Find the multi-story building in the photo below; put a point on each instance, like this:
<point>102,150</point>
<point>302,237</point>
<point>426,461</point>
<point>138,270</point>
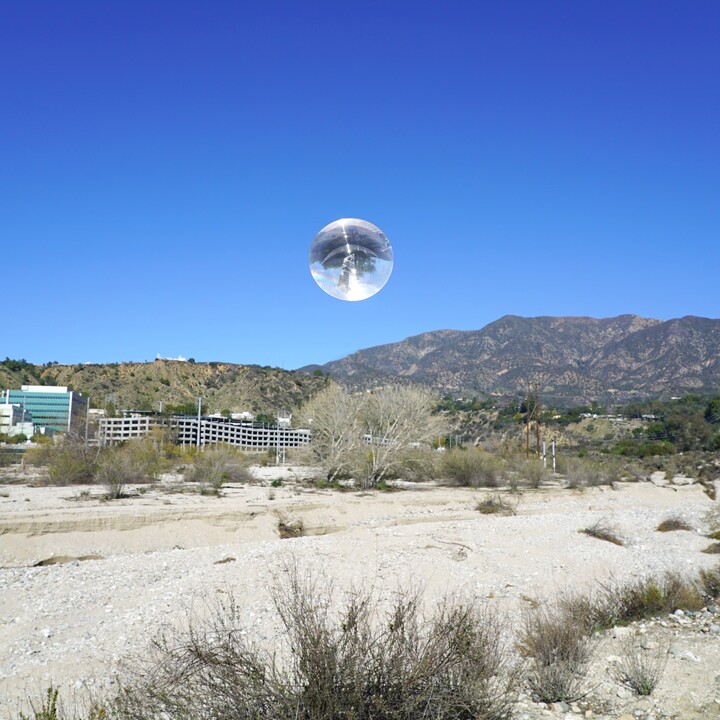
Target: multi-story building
<point>244,435</point>
<point>52,407</point>
<point>13,420</point>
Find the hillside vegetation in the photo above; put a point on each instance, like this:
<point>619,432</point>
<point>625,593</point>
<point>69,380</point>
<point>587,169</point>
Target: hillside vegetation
<point>177,385</point>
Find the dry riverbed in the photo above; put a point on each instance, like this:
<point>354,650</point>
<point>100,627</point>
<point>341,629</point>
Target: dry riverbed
<point>85,582</point>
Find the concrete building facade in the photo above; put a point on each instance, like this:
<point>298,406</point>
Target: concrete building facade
<point>12,417</point>
<point>243,435</point>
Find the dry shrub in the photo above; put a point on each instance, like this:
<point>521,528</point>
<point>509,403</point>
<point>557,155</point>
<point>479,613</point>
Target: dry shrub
<point>558,645</point>
<point>673,523</point>
<point>50,708</point>
<point>288,528</point>
<point>583,473</point>
<point>419,465</point>
<point>709,581</point>
<point>471,468</point>
<point>533,472</point>
<point>621,603</point>
<point>641,668</point>
<point>116,469</point>
<point>494,505</point>
<point>712,518</point>
<point>712,549</point>
<point>68,461</point>
<point>217,466</point>
<point>602,531</point>
<point>349,661</point>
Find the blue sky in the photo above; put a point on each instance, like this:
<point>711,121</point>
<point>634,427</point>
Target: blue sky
<point>164,167</point>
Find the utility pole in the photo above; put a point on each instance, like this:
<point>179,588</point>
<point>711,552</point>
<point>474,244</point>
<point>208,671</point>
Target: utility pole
<point>537,419</point>
<point>527,424</point>
<point>199,421</point>
<point>87,419</point>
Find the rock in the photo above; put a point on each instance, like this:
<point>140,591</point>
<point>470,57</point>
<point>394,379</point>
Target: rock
<point>619,631</point>
<point>560,707</point>
<point>681,653</point>
<point>714,628</point>
<point>646,644</point>
<point>624,694</point>
<point>626,716</point>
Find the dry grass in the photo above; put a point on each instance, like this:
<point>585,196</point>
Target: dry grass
<point>602,531</point>
<point>641,668</point>
<point>712,549</point>
<point>672,524</point>
<point>622,603</point>
<point>494,505</point>
<point>288,528</point>
<point>709,581</point>
<point>558,647</point>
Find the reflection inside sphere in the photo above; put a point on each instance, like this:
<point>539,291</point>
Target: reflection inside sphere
<point>351,259</point>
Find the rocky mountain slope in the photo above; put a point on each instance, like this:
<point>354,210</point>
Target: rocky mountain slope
<point>573,359</point>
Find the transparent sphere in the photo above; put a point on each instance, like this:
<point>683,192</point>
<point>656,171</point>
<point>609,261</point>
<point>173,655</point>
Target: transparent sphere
<point>351,259</point>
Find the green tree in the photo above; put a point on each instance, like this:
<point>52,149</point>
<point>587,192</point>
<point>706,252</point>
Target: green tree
<point>712,411</point>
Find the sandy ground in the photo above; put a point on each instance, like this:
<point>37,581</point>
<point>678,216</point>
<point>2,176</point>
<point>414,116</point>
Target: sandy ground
<point>121,569</point>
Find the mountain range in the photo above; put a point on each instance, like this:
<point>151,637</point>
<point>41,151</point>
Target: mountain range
<point>574,360</point>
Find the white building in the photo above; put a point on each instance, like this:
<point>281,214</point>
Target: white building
<point>244,435</point>
<point>14,420</point>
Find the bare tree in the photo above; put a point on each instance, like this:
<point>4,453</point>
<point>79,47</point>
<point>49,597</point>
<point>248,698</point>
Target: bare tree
<point>396,421</point>
<point>332,416</point>
<point>371,437</point>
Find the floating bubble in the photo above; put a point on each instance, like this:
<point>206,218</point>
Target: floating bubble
<point>351,259</point>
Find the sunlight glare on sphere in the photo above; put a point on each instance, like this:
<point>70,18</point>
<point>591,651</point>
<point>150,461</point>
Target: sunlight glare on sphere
<point>351,259</point>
